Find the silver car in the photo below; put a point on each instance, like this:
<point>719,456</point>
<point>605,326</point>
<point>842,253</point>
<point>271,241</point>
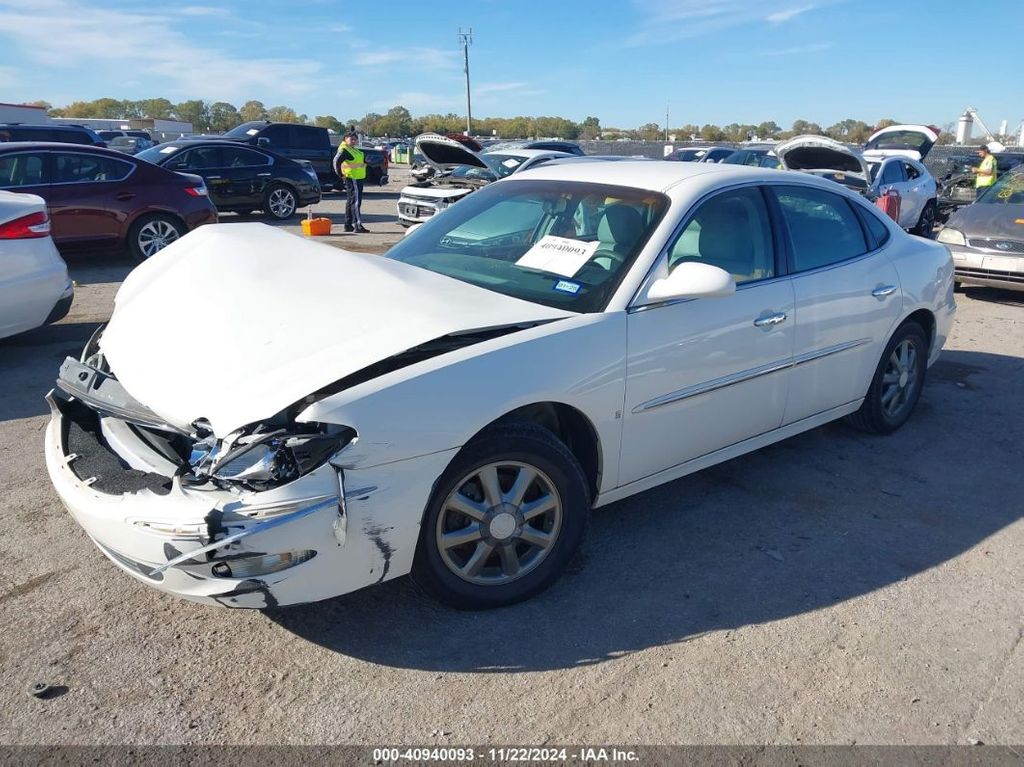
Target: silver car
<point>987,237</point>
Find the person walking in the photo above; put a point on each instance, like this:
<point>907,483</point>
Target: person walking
<point>985,173</point>
<point>352,166</point>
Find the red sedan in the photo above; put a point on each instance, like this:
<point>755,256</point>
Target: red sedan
<point>103,198</point>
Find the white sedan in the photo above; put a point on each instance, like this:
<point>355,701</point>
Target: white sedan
<point>314,424</point>
<point>34,285</point>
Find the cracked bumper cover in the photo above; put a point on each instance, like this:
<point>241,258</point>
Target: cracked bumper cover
<point>362,524</point>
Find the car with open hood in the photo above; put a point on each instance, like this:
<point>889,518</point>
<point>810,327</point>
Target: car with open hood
<point>891,160</point>
<point>455,408</point>
<point>987,237</point>
<point>459,170</point>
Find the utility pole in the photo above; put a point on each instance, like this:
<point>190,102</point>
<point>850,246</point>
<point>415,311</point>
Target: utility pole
<point>465,40</point>
<point>666,122</point>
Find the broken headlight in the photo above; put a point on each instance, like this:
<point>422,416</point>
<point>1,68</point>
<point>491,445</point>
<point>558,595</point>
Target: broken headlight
<point>258,458</point>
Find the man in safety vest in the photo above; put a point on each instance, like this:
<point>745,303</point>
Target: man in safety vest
<point>985,173</point>
<point>351,165</point>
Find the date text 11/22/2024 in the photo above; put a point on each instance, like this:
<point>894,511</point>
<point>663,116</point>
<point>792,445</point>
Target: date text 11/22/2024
<point>503,754</point>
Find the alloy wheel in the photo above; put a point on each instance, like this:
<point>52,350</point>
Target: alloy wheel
<point>900,379</point>
<point>499,523</point>
<point>281,203</point>
<point>155,235</point>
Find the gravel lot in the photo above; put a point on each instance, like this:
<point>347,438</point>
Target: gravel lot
<point>833,588</point>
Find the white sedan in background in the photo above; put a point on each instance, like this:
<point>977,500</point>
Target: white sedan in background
<point>456,408</point>
<point>34,286</point>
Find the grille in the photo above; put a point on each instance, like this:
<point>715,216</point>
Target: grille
<point>998,246</point>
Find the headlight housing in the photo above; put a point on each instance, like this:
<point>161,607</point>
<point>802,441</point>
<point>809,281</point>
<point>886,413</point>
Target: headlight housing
<point>259,458</point>
<point>951,237</point>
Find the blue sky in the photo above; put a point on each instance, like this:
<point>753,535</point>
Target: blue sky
<point>717,61</point>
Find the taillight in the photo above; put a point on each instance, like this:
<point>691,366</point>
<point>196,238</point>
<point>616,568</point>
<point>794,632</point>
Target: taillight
<point>29,227</point>
<point>196,191</point>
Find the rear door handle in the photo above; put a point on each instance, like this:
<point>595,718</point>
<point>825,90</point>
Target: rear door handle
<point>883,291</point>
<point>212,178</point>
<point>262,174</point>
<point>770,320</point>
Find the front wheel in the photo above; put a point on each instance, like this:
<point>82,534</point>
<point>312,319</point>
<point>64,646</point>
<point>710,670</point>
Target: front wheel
<point>505,518</point>
<point>926,223</point>
<point>280,202</point>
<point>897,382</point>
<point>151,234</point>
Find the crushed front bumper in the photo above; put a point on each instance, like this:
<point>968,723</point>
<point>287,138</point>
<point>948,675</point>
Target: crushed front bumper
<point>346,528</point>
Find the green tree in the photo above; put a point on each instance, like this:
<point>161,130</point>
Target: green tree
<point>282,115</point>
<point>590,128</point>
<point>650,132</point>
<point>223,117</point>
<point>397,122</point>
<point>768,129</point>
<point>688,131</point>
<point>886,122</point>
<point>196,112</point>
<point>158,109</point>
<point>801,127</point>
<point>712,132</point>
<point>330,122</point>
<point>252,110</point>
<point>849,130</point>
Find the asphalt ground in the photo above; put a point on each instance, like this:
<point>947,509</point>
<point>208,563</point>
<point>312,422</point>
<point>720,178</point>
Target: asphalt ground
<point>833,588</point>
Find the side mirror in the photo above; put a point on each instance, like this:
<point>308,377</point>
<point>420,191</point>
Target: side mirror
<point>692,279</point>
<point>263,141</point>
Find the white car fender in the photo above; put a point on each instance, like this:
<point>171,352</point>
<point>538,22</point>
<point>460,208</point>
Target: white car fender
<point>424,408</point>
<point>925,269</point>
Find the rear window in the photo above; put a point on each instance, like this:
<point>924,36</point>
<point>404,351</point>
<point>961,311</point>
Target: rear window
<point>23,169</point>
<point>822,226</point>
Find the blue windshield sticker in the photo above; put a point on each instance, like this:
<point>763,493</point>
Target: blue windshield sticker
<point>568,287</point>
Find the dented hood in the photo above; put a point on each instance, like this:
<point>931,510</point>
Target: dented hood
<point>235,322</point>
<point>445,153</point>
<point>811,153</point>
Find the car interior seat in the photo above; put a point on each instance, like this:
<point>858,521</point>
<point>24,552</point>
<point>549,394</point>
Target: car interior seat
<point>618,231</point>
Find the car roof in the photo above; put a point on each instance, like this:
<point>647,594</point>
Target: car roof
<point>527,154</point>
<point>63,146</point>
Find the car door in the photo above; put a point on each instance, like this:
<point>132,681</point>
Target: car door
<point>27,172</point>
<point>205,161</point>
<point>707,373</point>
<point>88,200</point>
<point>916,192</point>
<point>246,175</point>
<point>847,297</point>
<point>892,175</point>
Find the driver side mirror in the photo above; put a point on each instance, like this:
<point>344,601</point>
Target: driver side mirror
<point>263,141</point>
<point>692,279</point>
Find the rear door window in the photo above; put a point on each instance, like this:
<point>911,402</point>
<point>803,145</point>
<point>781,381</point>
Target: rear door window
<point>823,228</point>
<point>22,169</point>
<point>892,173</point>
<point>277,135</point>
<point>240,157</point>
<point>71,168</point>
<point>307,138</point>
<point>200,158</point>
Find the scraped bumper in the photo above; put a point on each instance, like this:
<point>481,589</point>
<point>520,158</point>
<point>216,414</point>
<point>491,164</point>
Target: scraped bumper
<point>343,530</point>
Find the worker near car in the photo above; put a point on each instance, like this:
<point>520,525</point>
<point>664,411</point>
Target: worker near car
<point>985,172</point>
<point>352,166</point>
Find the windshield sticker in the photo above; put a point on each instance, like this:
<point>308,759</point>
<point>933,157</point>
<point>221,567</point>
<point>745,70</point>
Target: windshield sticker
<point>568,287</point>
<point>252,131</point>
<point>558,255</point>
<point>510,162</point>
<point>169,149</point>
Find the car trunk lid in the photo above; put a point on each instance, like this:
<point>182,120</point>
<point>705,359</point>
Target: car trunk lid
<point>913,141</point>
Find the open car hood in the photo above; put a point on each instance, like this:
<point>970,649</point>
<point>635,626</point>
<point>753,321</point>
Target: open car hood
<point>810,153</point>
<point>913,141</point>
<point>236,322</point>
<point>445,153</point>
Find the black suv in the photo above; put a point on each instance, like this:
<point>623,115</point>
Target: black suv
<point>290,140</point>
<point>65,134</point>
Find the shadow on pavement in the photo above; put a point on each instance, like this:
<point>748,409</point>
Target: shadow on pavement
<point>818,519</point>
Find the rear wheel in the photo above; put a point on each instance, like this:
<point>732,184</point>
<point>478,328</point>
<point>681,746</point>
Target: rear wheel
<point>505,518</point>
<point>280,202</point>
<point>151,234</point>
<point>897,382</point>
<point>926,223</point>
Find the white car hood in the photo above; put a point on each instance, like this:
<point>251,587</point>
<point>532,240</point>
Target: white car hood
<point>436,192</point>
<point>913,141</point>
<point>820,153</point>
<point>445,153</point>
<point>235,322</point>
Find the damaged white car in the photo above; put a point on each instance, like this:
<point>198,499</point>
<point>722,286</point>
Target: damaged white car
<point>459,171</point>
<point>456,408</point>
<point>891,159</point>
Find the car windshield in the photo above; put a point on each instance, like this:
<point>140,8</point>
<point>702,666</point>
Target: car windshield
<point>156,154</point>
<point>557,243</point>
<point>245,130</point>
<point>503,164</point>
<point>1008,190</point>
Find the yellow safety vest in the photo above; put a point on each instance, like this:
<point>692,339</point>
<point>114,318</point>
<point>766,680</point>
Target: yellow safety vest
<point>988,163</point>
<point>354,168</point>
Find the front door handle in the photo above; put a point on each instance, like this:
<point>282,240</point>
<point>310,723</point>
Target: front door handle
<point>262,174</point>
<point>213,178</point>
<point>770,320</point>
<point>124,195</point>
<point>883,291</point>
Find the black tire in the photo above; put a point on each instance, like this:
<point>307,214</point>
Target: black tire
<point>527,446</point>
<point>280,202</point>
<point>878,414</point>
<point>926,223</point>
<point>152,233</point>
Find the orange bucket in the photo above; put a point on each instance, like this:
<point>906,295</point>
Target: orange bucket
<point>316,227</point>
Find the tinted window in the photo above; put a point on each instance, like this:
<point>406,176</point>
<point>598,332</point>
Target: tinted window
<point>308,138</point>
<point>877,231</point>
<point>200,158</point>
<point>277,135</point>
<point>21,170</point>
<point>892,173</point>
<point>732,231</point>
<point>240,157</point>
<point>910,170</point>
<point>822,227</point>
<point>83,168</point>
